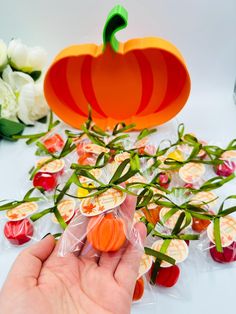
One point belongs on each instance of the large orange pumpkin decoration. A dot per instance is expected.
(106, 234)
(143, 80)
(139, 289)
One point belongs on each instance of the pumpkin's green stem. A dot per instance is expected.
(116, 20)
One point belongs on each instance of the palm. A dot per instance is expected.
(42, 282)
(83, 286)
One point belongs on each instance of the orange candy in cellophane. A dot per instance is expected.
(106, 234)
(139, 289)
(152, 215)
(200, 225)
(54, 143)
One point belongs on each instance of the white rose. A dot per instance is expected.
(24, 58)
(3, 55)
(16, 79)
(8, 101)
(32, 104)
(37, 58)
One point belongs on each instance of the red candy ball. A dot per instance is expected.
(225, 169)
(45, 180)
(188, 186)
(18, 232)
(227, 256)
(167, 277)
(164, 180)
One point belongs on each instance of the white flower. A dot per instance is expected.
(32, 104)
(16, 79)
(3, 55)
(8, 101)
(27, 59)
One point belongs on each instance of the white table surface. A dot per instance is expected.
(205, 33)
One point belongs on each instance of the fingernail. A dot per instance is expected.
(45, 235)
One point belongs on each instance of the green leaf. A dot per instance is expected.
(159, 255)
(98, 130)
(231, 145)
(57, 235)
(9, 128)
(89, 120)
(28, 194)
(144, 200)
(94, 138)
(119, 170)
(122, 127)
(180, 131)
(39, 215)
(62, 223)
(145, 133)
(223, 203)
(217, 235)
(227, 211)
(189, 138)
(169, 214)
(112, 143)
(66, 187)
(155, 270)
(43, 148)
(130, 173)
(216, 182)
(43, 120)
(150, 227)
(35, 75)
(102, 160)
(67, 148)
(10, 205)
(134, 162)
(178, 226)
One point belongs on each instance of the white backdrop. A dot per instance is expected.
(204, 31)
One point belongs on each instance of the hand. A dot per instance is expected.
(42, 282)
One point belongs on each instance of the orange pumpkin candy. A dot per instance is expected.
(152, 215)
(139, 289)
(200, 225)
(144, 81)
(106, 234)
